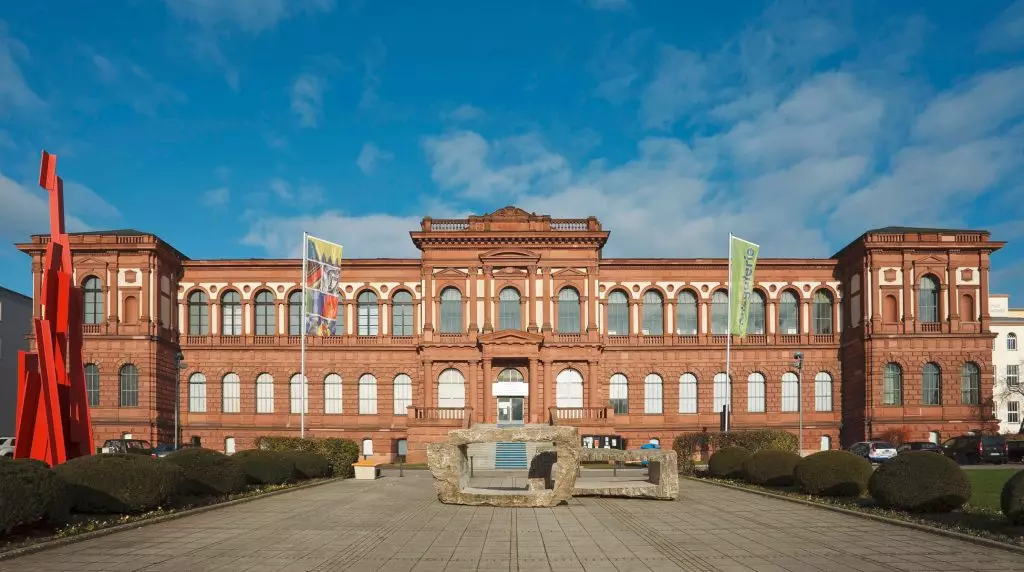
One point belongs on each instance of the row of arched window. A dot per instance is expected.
(931, 385)
(652, 317)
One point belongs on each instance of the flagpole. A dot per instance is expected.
(728, 345)
(302, 341)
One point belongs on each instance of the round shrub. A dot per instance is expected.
(206, 472)
(920, 481)
(29, 492)
(308, 465)
(833, 474)
(771, 468)
(265, 467)
(727, 463)
(1012, 498)
(118, 483)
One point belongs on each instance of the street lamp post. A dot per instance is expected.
(178, 366)
(798, 363)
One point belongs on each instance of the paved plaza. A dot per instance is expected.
(397, 524)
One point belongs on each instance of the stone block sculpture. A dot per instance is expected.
(662, 481)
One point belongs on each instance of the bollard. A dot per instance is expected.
(471, 467)
(401, 468)
(615, 469)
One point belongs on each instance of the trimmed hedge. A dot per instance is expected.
(206, 472)
(118, 483)
(1012, 498)
(340, 453)
(833, 474)
(308, 465)
(265, 467)
(920, 481)
(687, 445)
(728, 462)
(30, 492)
(771, 468)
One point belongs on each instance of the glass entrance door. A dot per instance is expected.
(510, 410)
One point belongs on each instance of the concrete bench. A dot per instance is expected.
(366, 470)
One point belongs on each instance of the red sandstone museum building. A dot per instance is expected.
(513, 317)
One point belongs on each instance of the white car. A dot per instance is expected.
(6, 446)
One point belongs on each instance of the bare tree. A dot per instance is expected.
(1010, 388)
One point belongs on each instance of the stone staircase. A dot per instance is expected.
(510, 456)
(502, 456)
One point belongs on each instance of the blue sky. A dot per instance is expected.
(229, 126)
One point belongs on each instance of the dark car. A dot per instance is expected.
(973, 449)
(920, 446)
(131, 446)
(1015, 451)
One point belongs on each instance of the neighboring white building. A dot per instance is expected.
(15, 323)
(1007, 362)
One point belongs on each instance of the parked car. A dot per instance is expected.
(971, 449)
(1015, 451)
(7, 446)
(874, 451)
(162, 451)
(919, 446)
(132, 446)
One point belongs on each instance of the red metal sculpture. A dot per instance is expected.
(52, 420)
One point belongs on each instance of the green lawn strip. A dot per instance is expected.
(979, 521)
(987, 485)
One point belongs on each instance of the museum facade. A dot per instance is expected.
(513, 317)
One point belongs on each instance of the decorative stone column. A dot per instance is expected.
(473, 319)
(488, 398)
(531, 294)
(533, 378)
(546, 298)
(427, 297)
(590, 395)
(428, 384)
(488, 295)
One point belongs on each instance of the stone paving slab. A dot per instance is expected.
(397, 524)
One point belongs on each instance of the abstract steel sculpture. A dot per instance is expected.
(52, 421)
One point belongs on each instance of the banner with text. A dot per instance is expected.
(742, 262)
(321, 286)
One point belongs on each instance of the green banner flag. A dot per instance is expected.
(742, 261)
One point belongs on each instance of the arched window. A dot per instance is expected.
(720, 313)
(890, 309)
(92, 384)
(509, 312)
(231, 390)
(892, 390)
(451, 389)
(197, 393)
(451, 311)
(92, 291)
(198, 314)
(928, 299)
(128, 377)
(568, 311)
(367, 394)
(569, 388)
(332, 394)
(790, 392)
(755, 393)
(366, 307)
(721, 392)
(755, 322)
(401, 314)
(511, 375)
(618, 314)
(295, 313)
(402, 394)
(687, 393)
(686, 313)
(618, 393)
(970, 384)
(231, 314)
(653, 394)
(967, 308)
(266, 325)
(653, 314)
(789, 313)
(931, 384)
(299, 394)
(264, 393)
(823, 312)
(822, 391)
(1011, 342)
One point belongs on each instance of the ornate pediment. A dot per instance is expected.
(509, 271)
(450, 273)
(510, 212)
(511, 337)
(931, 261)
(509, 256)
(89, 262)
(567, 273)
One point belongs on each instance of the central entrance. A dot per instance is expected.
(510, 410)
(511, 390)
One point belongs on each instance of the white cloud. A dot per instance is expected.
(107, 70)
(612, 5)
(373, 59)
(303, 194)
(26, 209)
(984, 103)
(16, 95)
(365, 236)
(678, 86)
(464, 112)
(251, 16)
(370, 157)
(216, 197)
(307, 97)
(1006, 32)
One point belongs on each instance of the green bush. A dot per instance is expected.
(920, 481)
(833, 474)
(687, 445)
(307, 465)
(1012, 498)
(206, 472)
(771, 468)
(340, 453)
(727, 463)
(265, 467)
(118, 483)
(30, 492)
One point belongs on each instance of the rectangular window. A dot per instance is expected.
(618, 394)
(790, 393)
(299, 395)
(688, 395)
(1013, 375)
(403, 320)
(367, 398)
(403, 396)
(823, 392)
(264, 397)
(755, 394)
(652, 395)
(198, 319)
(197, 396)
(92, 384)
(368, 319)
(721, 391)
(232, 394)
(232, 320)
(332, 394)
(618, 319)
(1013, 412)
